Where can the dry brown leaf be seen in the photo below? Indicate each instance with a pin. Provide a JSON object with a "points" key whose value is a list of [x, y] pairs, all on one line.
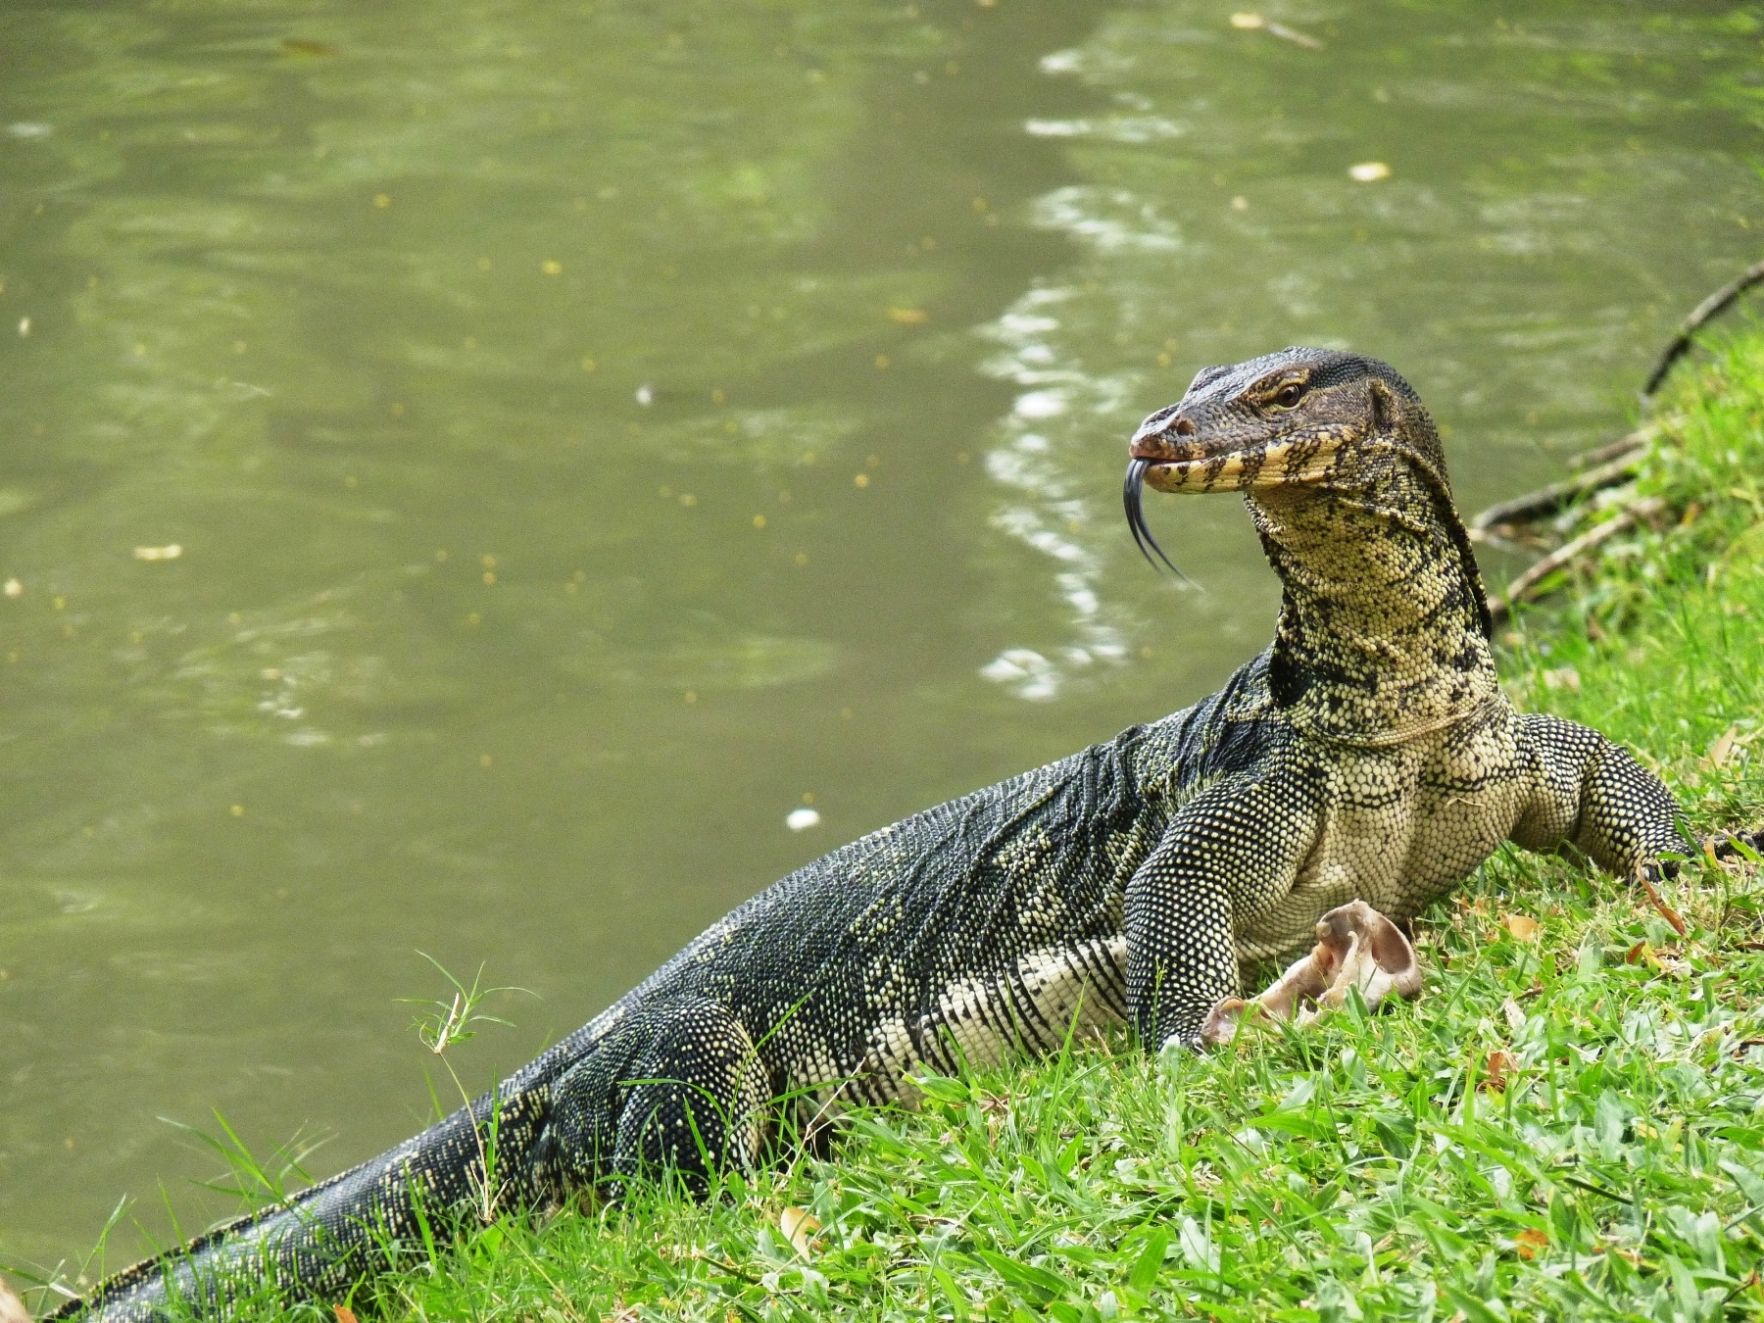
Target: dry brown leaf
{"points": [[1665, 963], [1530, 1242], [1721, 752], [1497, 1068], [1523, 927], [343, 1313], [1658, 901], [799, 1226]]}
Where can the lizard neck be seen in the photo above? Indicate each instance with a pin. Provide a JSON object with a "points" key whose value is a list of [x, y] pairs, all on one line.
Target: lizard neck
{"points": [[1382, 633]]}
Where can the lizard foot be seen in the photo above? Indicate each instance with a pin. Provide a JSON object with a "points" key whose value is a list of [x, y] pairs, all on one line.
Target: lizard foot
{"points": [[1357, 947]]}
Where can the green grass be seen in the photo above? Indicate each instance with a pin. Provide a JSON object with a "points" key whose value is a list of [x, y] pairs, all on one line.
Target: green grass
{"points": [[1568, 1123]]}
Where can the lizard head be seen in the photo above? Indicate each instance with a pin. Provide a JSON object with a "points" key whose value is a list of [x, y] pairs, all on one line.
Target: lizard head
{"points": [[1315, 419]]}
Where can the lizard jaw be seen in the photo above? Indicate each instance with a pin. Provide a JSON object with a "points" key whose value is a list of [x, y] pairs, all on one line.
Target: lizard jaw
{"points": [[1188, 468], [1172, 465]]}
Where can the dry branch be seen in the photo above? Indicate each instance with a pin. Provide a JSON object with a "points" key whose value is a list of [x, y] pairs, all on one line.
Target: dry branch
{"points": [[1546, 501], [1706, 311], [1601, 467], [1526, 584]]}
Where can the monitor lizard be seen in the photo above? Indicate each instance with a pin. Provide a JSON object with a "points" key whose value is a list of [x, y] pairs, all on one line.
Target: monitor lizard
{"points": [[1368, 755]]}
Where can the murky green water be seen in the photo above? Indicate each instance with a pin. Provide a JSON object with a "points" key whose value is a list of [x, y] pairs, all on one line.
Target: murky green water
{"points": [[590, 432]]}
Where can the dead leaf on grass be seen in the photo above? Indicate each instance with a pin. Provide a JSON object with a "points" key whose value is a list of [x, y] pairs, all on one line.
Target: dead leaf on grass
{"points": [[799, 1226], [1523, 927], [1643, 953], [1530, 1242], [1658, 901], [1727, 744], [1497, 1068]]}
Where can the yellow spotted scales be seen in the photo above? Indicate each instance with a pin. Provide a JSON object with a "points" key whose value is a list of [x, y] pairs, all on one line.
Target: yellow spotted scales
{"points": [[1368, 754]]}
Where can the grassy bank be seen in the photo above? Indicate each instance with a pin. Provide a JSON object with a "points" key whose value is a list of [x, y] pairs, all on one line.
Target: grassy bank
{"points": [[1570, 1122]]}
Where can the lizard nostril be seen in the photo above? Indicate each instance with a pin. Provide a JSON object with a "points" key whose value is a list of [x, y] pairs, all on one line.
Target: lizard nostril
{"points": [[1182, 427]]}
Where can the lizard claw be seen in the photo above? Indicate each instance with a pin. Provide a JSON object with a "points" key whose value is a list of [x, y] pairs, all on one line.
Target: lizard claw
{"points": [[1357, 947]]}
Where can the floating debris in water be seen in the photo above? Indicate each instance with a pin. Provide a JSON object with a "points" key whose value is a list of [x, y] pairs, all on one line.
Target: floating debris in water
{"points": [[1369, 172], [309, 48], [170, 551], [802, 819], [1246, 22]]}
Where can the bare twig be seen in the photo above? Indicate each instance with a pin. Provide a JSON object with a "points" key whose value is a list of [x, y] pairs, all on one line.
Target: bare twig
{"points": [[1658, 901], [1640, 439], [1707, 310], [1546, 501], [1515, 538], [1526, 584], [1601, 467], [1609, 464]]}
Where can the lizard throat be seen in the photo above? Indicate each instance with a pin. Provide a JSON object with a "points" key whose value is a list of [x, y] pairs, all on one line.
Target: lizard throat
{"points": [[1380, 637]]}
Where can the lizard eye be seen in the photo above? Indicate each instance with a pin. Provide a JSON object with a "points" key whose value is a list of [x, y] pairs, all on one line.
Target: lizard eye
{"points": [[1289, 395]]}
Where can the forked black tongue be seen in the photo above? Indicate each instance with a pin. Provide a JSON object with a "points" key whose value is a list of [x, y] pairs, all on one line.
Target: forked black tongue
{"points": [[1131, 491]]}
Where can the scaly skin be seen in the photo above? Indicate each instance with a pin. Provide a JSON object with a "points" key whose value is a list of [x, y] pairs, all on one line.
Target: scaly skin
{"points": [[1368, 754]]}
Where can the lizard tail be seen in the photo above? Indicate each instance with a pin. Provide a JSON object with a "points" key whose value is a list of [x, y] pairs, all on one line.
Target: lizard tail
{"points": [[319, 1242]]}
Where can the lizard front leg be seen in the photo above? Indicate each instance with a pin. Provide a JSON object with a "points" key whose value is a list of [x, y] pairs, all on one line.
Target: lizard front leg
{"points": [[1590, 793], [1229, 853]]}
